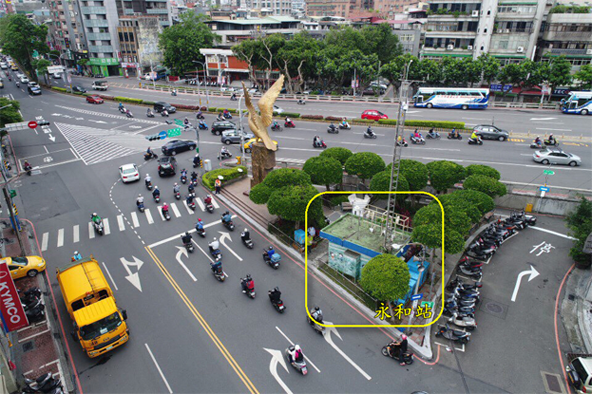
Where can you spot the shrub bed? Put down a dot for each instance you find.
(439, 124)
(319, 117)
(291, 114)
(128, 100)
(363, 120)
(333, 118)
(148, 102)
(189, 107)
(229, 174)
(105, 97)
(203, 108)
(212, 109)
(59, 89)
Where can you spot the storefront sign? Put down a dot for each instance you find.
(107, 61)
(13, 313)
(497, 87)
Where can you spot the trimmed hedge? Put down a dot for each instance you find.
(439, 124)
(59, 89)
(189, 107)
(291, 114)
(319, 117)
(363, 120)
(128, 100)
(334, 117)
(212, 109)
(388, 121)
(203, 108)
(105, 97)
(229, 174)
(148, 102)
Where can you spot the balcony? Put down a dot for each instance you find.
(100, 48)
(450, 34)
(157, 11)
(164, 23)
(128, 11)
(96, 23)
(93, 10)
(466, 16)
(528, 30)
(98, 36)
(441, 52)
(567, 52)
(580, 36)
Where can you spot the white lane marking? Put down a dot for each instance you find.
(175, 210)
(110, 277)
(183, 252)
(91, 230)
(149, 216)
(159, 207)
(546, 128)
(292, 343)
(106, 226)
(215, 204)
(159, 370)
(44, 242)
(76, 235)
(201, 204)
(135, 219)
(60, 237)
(551, 232)
(164, 241)
(120, 222)
(189, 210)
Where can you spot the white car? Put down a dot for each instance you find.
(147, 77)
(57, 76)
(24, 79)
(278, 110)
(4, 66)
(129, 173)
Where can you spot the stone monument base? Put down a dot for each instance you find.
(262, 161)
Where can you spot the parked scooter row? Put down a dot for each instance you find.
(46, 383)
(33, 304)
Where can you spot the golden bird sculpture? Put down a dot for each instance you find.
(260, 123)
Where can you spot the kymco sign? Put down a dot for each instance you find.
(13, 314)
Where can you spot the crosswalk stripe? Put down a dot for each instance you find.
(201, 204)
(91, 230)
(76, 236)
(106, 225)
(60, 237)
(189, 210)
(135, 219)
(160, 212)
(175, 210)
(120, 222)
(214, 203)
(44, 242)
(149, 216)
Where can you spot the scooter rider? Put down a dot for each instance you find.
(332, 126)
(149, 112)
(317, 314)
(226, 218)
(202, 124)
(139, 200)
(275, 295)
(214, 245)
(369, 132)
(270, 252)
(454, 133)
(551, 139)
(417, 135)
(165, 208)
(186, 121)
(95, 218)
(199, 115)
(538, 142)
(316, 141)
(295, 354)
(196, 161)
(245, 235)
(344, 122)
(432, 133)
(199, 225)
(186, 238)
(474, 136)
(156, 192)
(121, 107)
(193, 176)
(233, 97)
(208, 200)
(77, 256)
(224, 152)
(220, 117)
(191, 188)
(247, 283)
(190, 198)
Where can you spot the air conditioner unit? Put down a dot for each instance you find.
(520, 49)
(500, 31)
(507, 30)
(475, 13)
(470, 47)
(450, 47)
(550, 46)
(588, 51)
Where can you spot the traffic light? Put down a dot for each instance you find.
(153, 137)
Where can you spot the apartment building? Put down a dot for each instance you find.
(233, 32)
(270, 7)
(65, 33)
(340, 8)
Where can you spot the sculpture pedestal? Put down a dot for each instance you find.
(262, 161)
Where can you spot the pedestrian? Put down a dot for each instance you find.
(218, 185)
(312, 232)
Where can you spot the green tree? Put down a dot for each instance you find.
(394, 70)
(431, 71)
(473, 202)
(512, 74)
(414, 171)
(490, 66)
(386, 278)
(296, 60)
(381, 41)
(83, 63)
(485, 184)
(19, 38)
(445, 174)
(324, 170)
(430, 235)
(41, 67)
(580, 223)
(584, 76)
(278, 179)
(364, 165)
(479, 169)
(181, 42)
(559, 72)
(290, 203)
(337, 153)
(9, 114)
(248, 51)
(380, 182)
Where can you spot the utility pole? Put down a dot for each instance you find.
(240, 125)
(396, 153)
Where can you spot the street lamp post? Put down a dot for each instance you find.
(205, 88)
(152, 75)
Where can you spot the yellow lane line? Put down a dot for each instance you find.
(241, 374)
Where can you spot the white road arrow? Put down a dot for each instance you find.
(533, 274)
(542, 118)
(183, 251)
(52, 138)
(327, 335)
(278, 358)
(133, 278)
(223, 236)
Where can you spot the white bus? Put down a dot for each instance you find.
(464, 98)
(577, 103)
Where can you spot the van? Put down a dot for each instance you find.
(99, 325)
(579, 372)
(100, 85)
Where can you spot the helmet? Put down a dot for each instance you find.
(139, 195)
(75, 252)
(94, 214)
(403, 337)
(186, 232)
(164, 203)
(197, 155)
(276, 288)
(270, 248)
(246, 230)
(215, 238)
(147, 175)
(176, 184)
(551, 135)
(155, 187)
(209, 196)
(317, 308)
(297, 347)
(199, 220)
(249, 277)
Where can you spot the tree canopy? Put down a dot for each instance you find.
(380, 182)
(485, 184)
(338, 153)
(479, 169)
(414, 171)
(386, 278)
(9, 114)
(324, 170)
(19, 38)
(580, 223)
(444, 174)
(364, 165)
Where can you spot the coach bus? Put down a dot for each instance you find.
(463, 98)
(577, 103)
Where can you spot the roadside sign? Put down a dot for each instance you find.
(69, 78)
(173, 132)
(178, 122)
(12, 311)
(544, 188)
(162, 135)
(427, 303)
(549, 172)
(416, 297)
(32, 124)
(12, 193)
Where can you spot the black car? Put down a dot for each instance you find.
(78, 89)
(220, 126)
(34, 90)
(173, 147)
(167, 166)
(160, 106)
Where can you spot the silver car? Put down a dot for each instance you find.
(556, 156)
(491, 132)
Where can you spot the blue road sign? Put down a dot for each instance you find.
(162, 135)
(544, 188)
(416, 297)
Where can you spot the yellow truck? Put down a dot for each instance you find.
(98, 323)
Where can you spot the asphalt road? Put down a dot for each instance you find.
(201, 335)
(535, 122)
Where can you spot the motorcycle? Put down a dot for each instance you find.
(129, 114)
(455, 136)
(452, 307)
(37, 313)
(317, 327)
(200, 116)
(183, 179)
(551, 143)
(28, 169)
(477, 141)
(156, 197)
(530, 219)
(248, 242)
(233, 98)
(164, 113)
(332, 130)
(458, 283)
(191, 205)
(216, 254)
(150, 114)
(277, 127)
(289, 125)
(434, 136)
(201, 233)
(210, 207)
(371, 136)
(227, 115)
(46, 383)
(537, 146)
(229, 225)
(463, 321)
(218, 273)
(166, 214)
(345, 126)
(189, 247)
(122, 110)
(98, 227)
(224, 155)
(140, 206)
(279, 306)
(148, 156)
(301, 102)
(406, 357)
(178, 195)
(274, 261)
(31, 294)
(300, 366)
(203, 126)
(250, 292)
(417, 141)
(320, 145)
(403, 143)
(453, 335)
